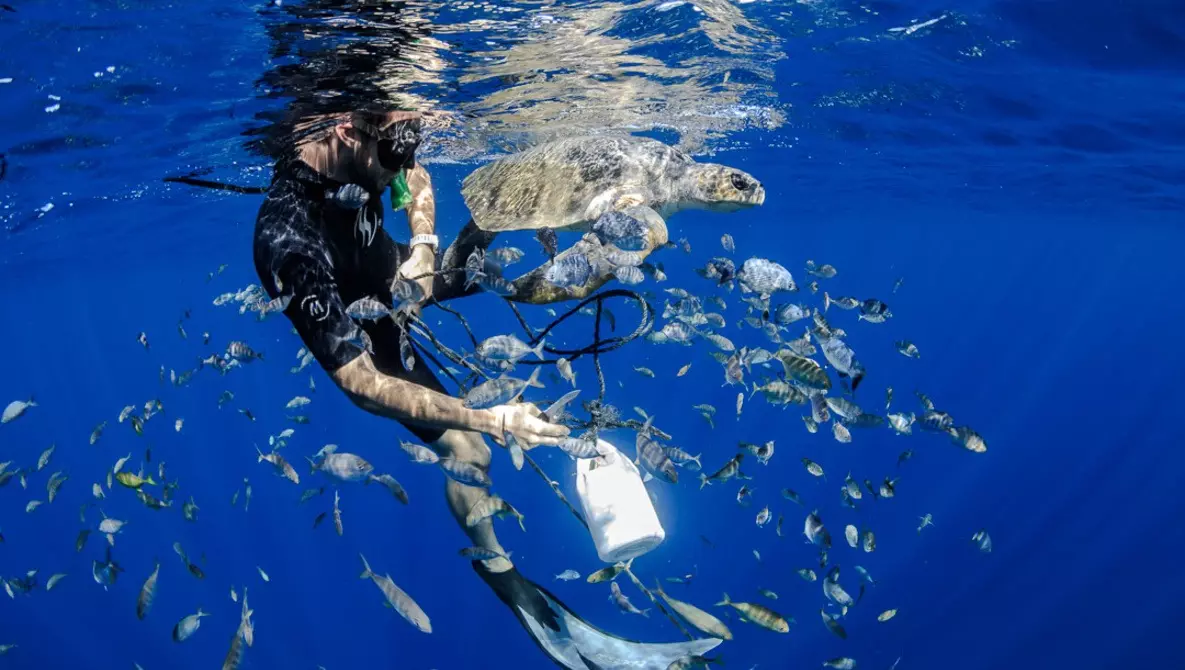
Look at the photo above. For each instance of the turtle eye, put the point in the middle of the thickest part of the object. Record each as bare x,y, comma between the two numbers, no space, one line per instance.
739,182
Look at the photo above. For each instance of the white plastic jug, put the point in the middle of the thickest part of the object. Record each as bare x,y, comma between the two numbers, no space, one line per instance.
618,510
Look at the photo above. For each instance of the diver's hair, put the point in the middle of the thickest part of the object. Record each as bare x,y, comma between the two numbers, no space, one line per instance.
320,128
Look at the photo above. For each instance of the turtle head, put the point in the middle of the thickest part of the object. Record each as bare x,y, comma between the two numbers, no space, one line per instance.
719,188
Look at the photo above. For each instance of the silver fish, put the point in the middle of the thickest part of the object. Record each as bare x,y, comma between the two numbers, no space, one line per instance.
622,231
623,602
397,599
419,453
391,485
508,348
629,275
765,277
569,271
464,472
499,391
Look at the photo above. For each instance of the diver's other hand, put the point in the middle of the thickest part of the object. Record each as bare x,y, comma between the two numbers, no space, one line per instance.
422,262
525,421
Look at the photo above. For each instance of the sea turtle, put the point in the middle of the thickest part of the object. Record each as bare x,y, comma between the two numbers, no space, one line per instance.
570,184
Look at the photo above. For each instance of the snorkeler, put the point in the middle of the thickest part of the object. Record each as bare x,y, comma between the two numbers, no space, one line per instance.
319,239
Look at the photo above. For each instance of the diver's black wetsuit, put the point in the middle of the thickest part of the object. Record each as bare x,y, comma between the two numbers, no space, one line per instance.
307,241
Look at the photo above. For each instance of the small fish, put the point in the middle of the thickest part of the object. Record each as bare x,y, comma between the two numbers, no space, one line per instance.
765,277
841,663
763,516
337,517
142,338
824,271
297,402
239,351
508,348
464,472
623,603
629,275
841,433
701,620
189,510
790,495
645,372
727,242
262,574
807,574
804,370
16,409
97,432
147,593
507,255
852,535
55,482
80,542
902,424
743,496
814,530
874,311
832,625
568,575
105,572
814,468
683,370
730,469
389,482
481,554
569,271
565,369
983,541
869,542
927,520
499,391
398,599
133,481
758,614
864,575
189,625
53,580
886,615
606,574
549,241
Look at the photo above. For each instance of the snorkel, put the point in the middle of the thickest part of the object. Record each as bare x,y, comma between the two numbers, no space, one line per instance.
400,193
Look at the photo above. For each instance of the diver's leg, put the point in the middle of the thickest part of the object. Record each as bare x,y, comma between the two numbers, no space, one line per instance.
469,447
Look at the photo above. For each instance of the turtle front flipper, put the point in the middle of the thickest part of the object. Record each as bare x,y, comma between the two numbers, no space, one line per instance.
534,287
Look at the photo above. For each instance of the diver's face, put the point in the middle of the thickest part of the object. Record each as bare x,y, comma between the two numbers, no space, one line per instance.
360,156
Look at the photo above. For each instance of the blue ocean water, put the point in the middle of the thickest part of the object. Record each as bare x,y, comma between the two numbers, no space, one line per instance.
1020,164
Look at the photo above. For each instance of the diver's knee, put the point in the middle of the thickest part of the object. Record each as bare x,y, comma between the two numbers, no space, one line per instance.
466,447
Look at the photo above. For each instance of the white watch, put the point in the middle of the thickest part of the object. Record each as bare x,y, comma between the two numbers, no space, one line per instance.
431,240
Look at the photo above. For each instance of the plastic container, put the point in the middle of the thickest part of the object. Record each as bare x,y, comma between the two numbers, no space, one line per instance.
620,516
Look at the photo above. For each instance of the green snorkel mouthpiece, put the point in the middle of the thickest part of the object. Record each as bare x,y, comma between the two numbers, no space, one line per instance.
400,193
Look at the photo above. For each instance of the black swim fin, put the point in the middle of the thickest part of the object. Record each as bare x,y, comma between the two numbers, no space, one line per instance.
571,642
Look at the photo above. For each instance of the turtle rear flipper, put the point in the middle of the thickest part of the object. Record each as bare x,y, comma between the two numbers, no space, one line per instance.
534,289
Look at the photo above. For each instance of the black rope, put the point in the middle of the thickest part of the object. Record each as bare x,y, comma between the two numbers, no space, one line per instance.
217,185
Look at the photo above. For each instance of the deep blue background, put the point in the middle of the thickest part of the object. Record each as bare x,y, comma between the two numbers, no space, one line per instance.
1031,196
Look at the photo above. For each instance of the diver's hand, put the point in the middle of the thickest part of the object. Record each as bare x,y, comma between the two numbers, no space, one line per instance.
524,421
422,262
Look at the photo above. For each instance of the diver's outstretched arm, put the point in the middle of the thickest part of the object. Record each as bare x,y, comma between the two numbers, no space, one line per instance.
399,399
